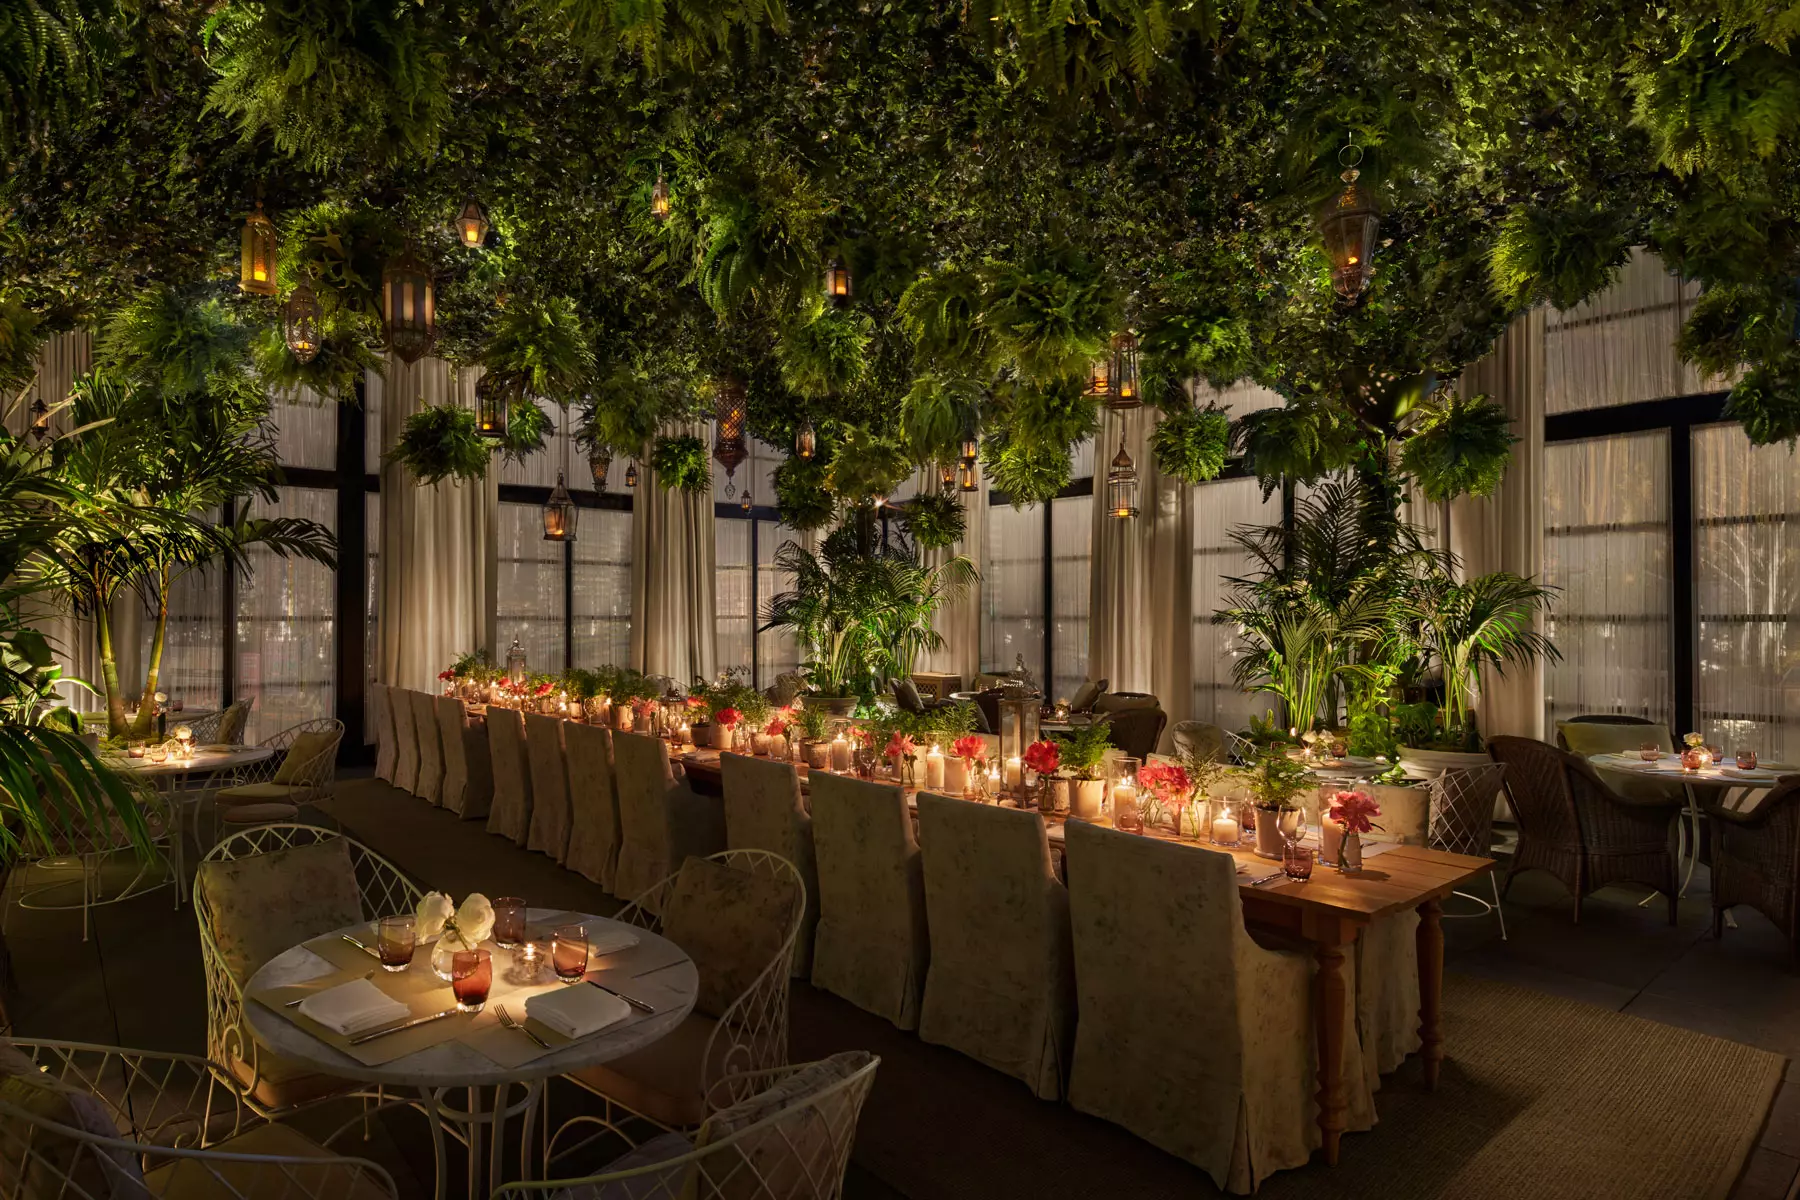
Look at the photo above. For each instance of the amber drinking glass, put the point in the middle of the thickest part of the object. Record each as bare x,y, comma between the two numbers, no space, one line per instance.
471,975
1746,758
569,953
509,921
1650,752
395,939
1297,860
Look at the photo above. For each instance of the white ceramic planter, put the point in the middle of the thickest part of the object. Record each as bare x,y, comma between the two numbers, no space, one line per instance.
1087,798
1428,764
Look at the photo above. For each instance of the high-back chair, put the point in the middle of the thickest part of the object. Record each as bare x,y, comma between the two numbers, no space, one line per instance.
1136,731
790,1140
1574,826
468,778
91,1122
386,751
224,727
593,803
737,915
1001,985
549,786
406,739
1462,822
661,822
302,770
428,784
764,811
871,946
257,893
1756,860
1611,733
510,815
1192,1036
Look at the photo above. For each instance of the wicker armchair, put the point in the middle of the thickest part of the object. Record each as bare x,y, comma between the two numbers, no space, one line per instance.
1756,860
225,726
178,1127
1136,731
1574,826
302,770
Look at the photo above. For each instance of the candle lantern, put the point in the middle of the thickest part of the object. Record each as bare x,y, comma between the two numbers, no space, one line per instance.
472,224
837,283
1100,376
1348,225
408,306
631,474
599,462
1122,484
1127,806
805,441
515,664
256,259
559,513
300,323
1018,730
1123,390
493,400
40,420
731,411
660,206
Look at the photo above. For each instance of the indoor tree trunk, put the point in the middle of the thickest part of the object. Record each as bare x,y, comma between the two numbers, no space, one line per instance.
109,673
146,717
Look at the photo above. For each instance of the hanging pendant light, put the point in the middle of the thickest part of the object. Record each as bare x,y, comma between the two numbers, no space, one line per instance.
1122,485
731,410
300,323
40,420
805,441
837,283
559,513
946,476
599,462
1348,224
745,503
408,306
631,474
660,208
472,224
493,400
1100,376
256,259
965,464
1123,390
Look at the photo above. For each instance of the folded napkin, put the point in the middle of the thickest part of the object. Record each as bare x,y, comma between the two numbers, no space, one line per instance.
577,1010
1738,773
610,941
353,1007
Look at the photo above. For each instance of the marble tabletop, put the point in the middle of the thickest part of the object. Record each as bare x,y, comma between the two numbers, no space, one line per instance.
204,761
1668,767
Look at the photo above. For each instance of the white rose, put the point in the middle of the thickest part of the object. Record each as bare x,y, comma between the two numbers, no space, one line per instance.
434,910
475,919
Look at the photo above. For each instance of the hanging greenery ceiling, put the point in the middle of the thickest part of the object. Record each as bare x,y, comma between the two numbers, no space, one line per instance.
1009,184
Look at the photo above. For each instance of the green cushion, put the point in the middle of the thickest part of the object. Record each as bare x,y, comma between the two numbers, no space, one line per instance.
263,904
231,724
58,1166
301,764
1588,738
258,793
731,923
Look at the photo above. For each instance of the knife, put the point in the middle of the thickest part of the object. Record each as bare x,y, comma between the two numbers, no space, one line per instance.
631,1000
359,946
1272,876
369,1037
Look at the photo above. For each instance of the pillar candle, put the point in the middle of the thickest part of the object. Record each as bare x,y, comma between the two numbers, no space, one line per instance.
778,745
1125,802
1015,772
934,769
1225,830
956,775
840,753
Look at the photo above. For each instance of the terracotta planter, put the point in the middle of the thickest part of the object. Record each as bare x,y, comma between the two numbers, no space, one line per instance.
1087,798
818,755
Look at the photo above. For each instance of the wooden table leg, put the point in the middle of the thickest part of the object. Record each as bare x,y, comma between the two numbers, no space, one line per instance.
1430,940
1328,1013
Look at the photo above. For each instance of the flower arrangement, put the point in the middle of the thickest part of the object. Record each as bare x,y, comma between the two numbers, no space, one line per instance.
1166,781
1042,756
775,728
728,717
456,928
971,749
900,746
1353,810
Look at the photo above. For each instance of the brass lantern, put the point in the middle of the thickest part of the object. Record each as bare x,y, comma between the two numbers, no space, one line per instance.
493,400
300,323
966,479
1348,224
1122,485
659,198
805,441
837,283
731,411
946,477
1100,376
559,513
256,261
408,306
40,420
745,502
1123,389
1018,730
515,663
599,462
472,224
631,474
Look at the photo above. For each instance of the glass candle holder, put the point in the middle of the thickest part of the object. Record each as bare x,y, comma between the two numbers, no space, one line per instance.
1128,813
471,977
1223,827
159,753
396,938
135,750
569,953
509,922
529,962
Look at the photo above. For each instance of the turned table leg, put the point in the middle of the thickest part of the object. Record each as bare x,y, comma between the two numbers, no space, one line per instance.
1328,1012
1431,989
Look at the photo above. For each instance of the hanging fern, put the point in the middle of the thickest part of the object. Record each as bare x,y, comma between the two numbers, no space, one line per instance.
440,442
1053,316
1460,446
343,358
942,314
527,425
1766,401
681,462
1731,325
542,348
338,249
20,339
935,520
867,465
182,344
1025,474
826,355
1190,445
801,495
620,414
1057,413
1176,347
1299,442
1563,255
935,413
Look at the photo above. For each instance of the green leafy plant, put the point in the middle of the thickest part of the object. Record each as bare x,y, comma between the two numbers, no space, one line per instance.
1024,474
1299,442
1561,254
527,425
680,462
826,355
935,413
440,442
801,494
542,349
1276,780
1460,445
867,464
20,339
935,520
345,355
1081,750
1767,401
1484,624
942,311
1052,315
1190,445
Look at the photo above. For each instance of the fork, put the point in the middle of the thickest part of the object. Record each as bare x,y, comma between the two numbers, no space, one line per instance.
506,1019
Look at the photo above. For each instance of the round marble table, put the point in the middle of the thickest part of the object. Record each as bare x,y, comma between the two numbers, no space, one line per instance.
451,1066
167,776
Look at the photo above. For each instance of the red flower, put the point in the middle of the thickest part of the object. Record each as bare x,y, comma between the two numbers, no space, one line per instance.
644,707
970,748
446,675
1043,757
543,689
696,701
1352,810
900,746
775,728
728,717
1165,780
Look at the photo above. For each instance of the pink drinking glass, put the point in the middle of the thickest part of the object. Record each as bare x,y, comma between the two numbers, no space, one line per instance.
1746,758
569,953
509,922
471,975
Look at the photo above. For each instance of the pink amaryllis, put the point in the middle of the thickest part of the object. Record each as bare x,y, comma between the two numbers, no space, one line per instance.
1166,781
775,728
1043,756
728,717
969,748
1353,810
900,746
543,689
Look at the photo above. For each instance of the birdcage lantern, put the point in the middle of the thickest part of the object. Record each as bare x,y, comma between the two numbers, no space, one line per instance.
1348,225
300,319
256,259
559,513
745,503
631,474
408,306
493,401
660,206
1124,390
731,411
1122,485
806,442
472,224
837,283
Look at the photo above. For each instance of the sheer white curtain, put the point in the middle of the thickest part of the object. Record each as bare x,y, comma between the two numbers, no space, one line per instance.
672,557
1119,636
437,564
1218,508
959,621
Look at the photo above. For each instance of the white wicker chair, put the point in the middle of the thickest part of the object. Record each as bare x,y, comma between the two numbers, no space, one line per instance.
225,725
800,1150
85,864
183,1129
1462,822
384,888
751,1034
275,788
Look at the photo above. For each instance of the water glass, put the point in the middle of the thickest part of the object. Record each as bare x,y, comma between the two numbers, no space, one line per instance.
1746,758
569,953
1297,861
509,922
1650,752
395,939
471,975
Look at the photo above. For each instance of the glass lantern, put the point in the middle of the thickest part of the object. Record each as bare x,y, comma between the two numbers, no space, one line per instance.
1122,485
837,283
805,440
472,224
1348,226
256,265
300,323
515,664
1122,387
660,205
408,306
493,401
600,463
559,513
1018,730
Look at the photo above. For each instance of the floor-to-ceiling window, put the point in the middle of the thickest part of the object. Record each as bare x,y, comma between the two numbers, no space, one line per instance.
746,541
1220,507
286,625
1035,583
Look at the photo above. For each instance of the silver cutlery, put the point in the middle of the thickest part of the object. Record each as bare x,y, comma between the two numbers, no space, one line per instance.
416,1021
633,1001
506,1019
360,946
1271,876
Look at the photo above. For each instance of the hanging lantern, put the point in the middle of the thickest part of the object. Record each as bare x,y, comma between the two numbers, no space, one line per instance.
1100,376
1122,484
1348,224
1122,388
631,475
745,503
659,198
256,263
805,441
965,465
969,450
472,224
599,462
408,307
559,513
731,411
40,420
946,476
300,323
837,283
493,400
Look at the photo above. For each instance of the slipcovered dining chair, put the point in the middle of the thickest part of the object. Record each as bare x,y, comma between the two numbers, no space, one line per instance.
1616,733
737,915
1574,826
468,778
510,815
257,893
91,1122
428,783
1136,731
1001,984
382,697
791,1139
871,947
764,811
593,803
549,830
661,822
406,739
1191,1035
1756,860
301,770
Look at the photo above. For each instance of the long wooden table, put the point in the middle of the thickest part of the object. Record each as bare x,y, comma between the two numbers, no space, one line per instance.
1329,911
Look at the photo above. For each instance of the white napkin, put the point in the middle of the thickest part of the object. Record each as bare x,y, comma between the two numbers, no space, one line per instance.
611,941
577,1010
353,1007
